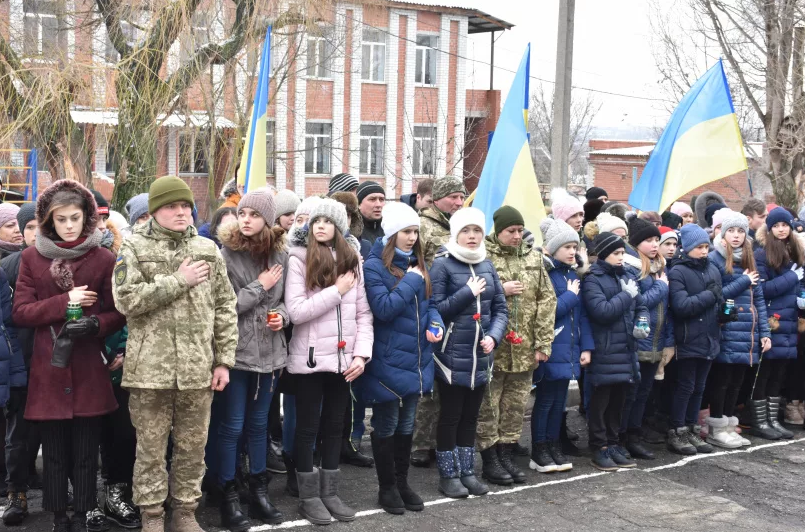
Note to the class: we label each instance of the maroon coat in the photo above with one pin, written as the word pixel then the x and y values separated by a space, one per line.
pixel 84 388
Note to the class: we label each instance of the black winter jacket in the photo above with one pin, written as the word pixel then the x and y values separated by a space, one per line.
pixel 695 307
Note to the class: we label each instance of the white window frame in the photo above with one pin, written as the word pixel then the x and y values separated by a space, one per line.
pixel 109 139
pixel 374 73
pixel 369 141
pixel 319 45
pixel 318 141
pixel 421 138
pixel 194 134
pixel 40 29
pixel 423 54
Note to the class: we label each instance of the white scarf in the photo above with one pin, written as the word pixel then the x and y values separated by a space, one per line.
pixel 468 256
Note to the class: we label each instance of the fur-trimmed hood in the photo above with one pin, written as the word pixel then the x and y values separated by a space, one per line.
pixel 704 200
pixel 117 238
pixel 350 202
pixel 227 232
pixel 762 234
pixel 298 236
pixel 46 198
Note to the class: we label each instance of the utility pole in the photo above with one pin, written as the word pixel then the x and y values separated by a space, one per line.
pixel 560 134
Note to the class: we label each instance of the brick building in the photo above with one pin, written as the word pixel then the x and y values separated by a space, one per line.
pixel 613 163
pixel 377 89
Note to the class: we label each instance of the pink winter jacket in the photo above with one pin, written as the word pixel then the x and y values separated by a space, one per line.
pixel 318 317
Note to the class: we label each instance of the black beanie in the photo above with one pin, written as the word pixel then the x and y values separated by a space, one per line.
pixel 103 205
pixel 605 243
pixel 368 187
pixel 710 211
pixel 640 229
pixel 595 193
pixel 592 209
pixel 506 216
pixel 674 221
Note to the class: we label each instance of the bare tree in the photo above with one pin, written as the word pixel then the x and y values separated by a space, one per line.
pixel 540 123
pixel 762 44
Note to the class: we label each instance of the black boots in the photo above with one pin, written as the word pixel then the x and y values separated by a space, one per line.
pixel 402 462
pixel 388 496
pixel 351 454
pixel 259 505
pixel 232 517
pixel 291 484
pixel 422 457
pixel 760 423
pixel 636 447
pixel 774 418
pixel 566 439
pixel 118 507
pixel 17 509
pixel 506 455
pixel 493 470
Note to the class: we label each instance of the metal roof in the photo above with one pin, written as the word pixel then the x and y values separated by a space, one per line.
pixel 109 117
pixel 477 21
pixel 755 151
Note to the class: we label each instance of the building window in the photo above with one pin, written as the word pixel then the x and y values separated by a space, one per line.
pixel 42 34
pixel 372 143
pixel 318 138
pixel 424 150
pixel 271 148
pixel 320 54
pixel 426 60
pixel 130 32
pixel 374 55
pixel 193 152
pixel 199 34
pixel 110 136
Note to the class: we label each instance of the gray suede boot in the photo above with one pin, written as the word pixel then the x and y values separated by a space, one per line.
pixel 329 495
pixel 311 506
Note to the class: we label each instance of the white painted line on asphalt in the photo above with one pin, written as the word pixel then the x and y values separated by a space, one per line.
pixel 678 463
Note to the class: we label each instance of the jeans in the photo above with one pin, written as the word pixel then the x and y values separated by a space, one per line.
pixel 549 406
pixel 395 417
pixel 637 397
pixel 288 423
pixel 246 402
pixel 604 414
pixel 691 377
pixel 354 414
pixel 458 417
pixel 320 400
pixel 16 438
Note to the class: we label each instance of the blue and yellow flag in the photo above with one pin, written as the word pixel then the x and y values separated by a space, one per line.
pixel 700 144
pixel 508 176
pixel 252 171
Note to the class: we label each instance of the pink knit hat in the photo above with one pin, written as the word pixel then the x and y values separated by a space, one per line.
pixel 719 216
pixel 680 209
pixel 564 205
pixel 8 212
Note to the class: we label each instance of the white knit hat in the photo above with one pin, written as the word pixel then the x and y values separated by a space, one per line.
pixel 307 205
pixel 333 211
pixel 397 216
pixel 608 223
pixel 464 217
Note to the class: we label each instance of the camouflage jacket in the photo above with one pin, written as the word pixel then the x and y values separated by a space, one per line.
pixel 434 232
pixel 177 334
pixel 531 314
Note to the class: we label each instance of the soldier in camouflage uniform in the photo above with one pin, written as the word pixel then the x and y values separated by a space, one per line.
pixel 172 286
pixel 532 306
pixel 434 231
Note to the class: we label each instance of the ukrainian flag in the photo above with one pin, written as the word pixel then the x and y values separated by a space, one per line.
pixel 700 144
pixel 508 176
pixel 252 171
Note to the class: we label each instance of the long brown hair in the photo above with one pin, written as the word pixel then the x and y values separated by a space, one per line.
pixel 646 263
pixel 747 257
pixel 388 261
pixel 65 198
pixel 781 252
pixel 260 246
pixel 322 268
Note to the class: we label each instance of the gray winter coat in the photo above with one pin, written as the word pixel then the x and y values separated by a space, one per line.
pixel 260 349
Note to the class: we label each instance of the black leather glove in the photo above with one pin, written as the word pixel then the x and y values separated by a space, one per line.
pixel 84 326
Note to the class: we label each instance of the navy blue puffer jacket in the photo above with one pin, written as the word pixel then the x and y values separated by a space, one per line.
pixel 740 339
pixel 612 314
pixel 402 358
pixel 12 364
pixel 695 308
pixel 459 357
pixel 780 290
pixel 572 328
pixel 655 298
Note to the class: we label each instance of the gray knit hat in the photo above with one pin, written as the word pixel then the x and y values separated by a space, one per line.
pixel 262 201
pixel 333 211
pixel 26 214
pixel 445 186
pixel 732 218
pixel 286 202
pixel 136 207
pixel 557 233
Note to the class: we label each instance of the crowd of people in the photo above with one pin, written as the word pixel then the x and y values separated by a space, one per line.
pixel 201 361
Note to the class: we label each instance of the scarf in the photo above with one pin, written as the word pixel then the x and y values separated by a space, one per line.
pixel 63 253
pixel 737 254
pixel 108 239
pixel 8 246
pixel 468 256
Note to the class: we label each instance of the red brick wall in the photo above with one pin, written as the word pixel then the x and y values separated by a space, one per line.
pixel 319 100
pixel 428 21
pixel 373 102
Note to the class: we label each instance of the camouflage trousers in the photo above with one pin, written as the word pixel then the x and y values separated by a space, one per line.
pixel 427 417
pixel 156 414
pixel 501 416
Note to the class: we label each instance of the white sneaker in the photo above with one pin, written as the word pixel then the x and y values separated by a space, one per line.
pixel 718 435
pixel 732 423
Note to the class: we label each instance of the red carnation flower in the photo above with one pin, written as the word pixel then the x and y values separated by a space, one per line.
pixel 776 316
pixel 342 344
pixel 476 317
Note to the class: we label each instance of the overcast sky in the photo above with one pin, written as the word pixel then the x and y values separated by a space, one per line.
pixel 612 52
